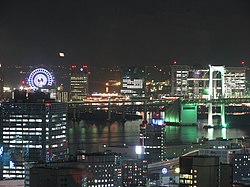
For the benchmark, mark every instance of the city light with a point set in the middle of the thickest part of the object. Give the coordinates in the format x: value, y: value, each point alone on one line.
x: 61, y: 54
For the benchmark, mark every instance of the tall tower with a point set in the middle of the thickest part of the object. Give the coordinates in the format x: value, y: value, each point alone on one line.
x: 33, y: 129
x: 213, y: 94
x: 79, y: 83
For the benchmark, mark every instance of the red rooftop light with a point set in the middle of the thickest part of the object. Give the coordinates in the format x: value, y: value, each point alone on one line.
x: 73, y: 66
x: 85, y: 66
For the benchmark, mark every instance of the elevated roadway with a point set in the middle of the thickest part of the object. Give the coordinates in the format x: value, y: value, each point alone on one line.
x: 157, y: 166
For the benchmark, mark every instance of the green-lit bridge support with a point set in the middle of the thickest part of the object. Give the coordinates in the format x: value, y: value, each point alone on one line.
x: 181, y: 113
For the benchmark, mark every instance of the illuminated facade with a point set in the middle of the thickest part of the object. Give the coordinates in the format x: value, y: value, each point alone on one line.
x: 193, y: 83
x: 33, y: 129
x: 134, y: 172
x: 179, y: 75
x: 133, y: 82
x: 79, y: 83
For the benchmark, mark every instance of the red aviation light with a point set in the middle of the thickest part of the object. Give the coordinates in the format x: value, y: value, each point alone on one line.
x: 85, y: 66
x: 174, y: 62
x: 242, y: 62
x: 73, y: 66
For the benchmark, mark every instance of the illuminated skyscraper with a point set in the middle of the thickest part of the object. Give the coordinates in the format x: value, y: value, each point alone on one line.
x: 79, y: 83
x: 33, y: 129
x: 133, y: 82
x: 153, y: 138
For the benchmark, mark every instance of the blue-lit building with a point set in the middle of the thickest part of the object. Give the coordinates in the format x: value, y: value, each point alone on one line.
x: 33, y: 129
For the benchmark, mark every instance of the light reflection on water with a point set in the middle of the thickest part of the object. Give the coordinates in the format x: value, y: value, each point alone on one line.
x: 88, y: 135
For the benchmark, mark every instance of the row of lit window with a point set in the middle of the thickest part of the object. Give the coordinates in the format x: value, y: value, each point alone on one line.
x: 29, y: 146
x: 23, y: 129
x: 22, y: 133
x: 58, y: 136
x: 7, y: 176
x: 22, y: 120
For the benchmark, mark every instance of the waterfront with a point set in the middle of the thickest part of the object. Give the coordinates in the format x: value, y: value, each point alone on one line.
x: 88, y: 135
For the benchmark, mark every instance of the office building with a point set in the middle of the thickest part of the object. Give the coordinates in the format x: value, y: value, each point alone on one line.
x: 79, y: 83
x: 179, y: 75
x: 225, y: 155
x: 134, y: 172
x: 235, y: 81
x: 33, y: 129
x: 199, y: 171
x: 241, y: 168
x: 193, y: 82
x: 152, y: 138
x: 133, y: 82
x: 93, y: 169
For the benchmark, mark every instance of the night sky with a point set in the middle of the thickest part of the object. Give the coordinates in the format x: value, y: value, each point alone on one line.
x: 132, y: 32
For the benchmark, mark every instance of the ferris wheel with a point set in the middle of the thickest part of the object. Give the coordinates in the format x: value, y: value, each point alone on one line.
x: 40, y: 78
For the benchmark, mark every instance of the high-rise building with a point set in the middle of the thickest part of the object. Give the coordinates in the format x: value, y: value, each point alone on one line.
x: 33, y: 129
x: 93, y: 169
x: 193, y: 82
x: 133, y: 82
x: 179, y: 75
x: 199, y: 171
x: 152, y: 138
x: 79, y: 83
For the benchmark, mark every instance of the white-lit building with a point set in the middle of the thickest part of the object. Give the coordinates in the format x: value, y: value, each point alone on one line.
x: 79, y: 83
x: 133, y: 82
x: 193, y: 82
x: 179, y: 84
x: 33, y: 129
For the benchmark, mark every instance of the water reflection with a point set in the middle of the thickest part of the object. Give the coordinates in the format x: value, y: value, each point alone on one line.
x: 88, y: 135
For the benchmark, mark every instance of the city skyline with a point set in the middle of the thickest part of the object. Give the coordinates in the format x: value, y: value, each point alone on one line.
x: 123, y: 32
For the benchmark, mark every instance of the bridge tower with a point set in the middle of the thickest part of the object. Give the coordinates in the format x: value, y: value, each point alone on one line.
x: 213, y: 95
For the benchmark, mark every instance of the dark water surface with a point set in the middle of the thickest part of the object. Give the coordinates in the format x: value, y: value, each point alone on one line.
x: 88, y: 135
